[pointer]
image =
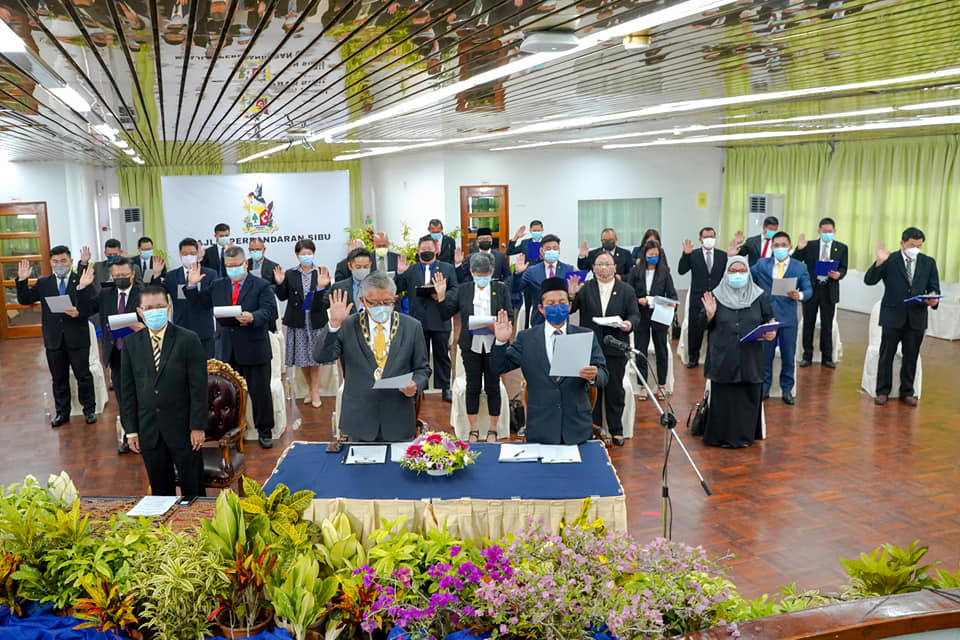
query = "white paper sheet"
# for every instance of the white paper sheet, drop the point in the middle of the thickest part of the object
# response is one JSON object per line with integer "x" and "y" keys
{"x": 180, "y": 294}
{"x": 662, "y": 314}
{"x": 559, "y": 454}
{"x": 661, "y": 300}
{"x": 396, "y": 382}
{"x": 571, "y": 353}
{"x": 609, "y": 321}
{"x": 366, "y": 454}
{"x": 783, "y": 286}
{"x": 148, "y": 276}
{"x": 152, "y": 506}
{"x": 58, "y": 304}
{"x": 480, "y": 322}
{"x": 524, "y": 452}
{"x": 121, "y": 320}
{"x": 397, "y": 449}
{"x": 227, "y": 312}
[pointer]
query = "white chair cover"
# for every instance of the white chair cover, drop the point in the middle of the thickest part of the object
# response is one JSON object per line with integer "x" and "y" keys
{"x": 629, "y": 406}
{"x": 683, "y": 344}
{"x": 837, "y": 344}
{"x": 652, "y": 372}
{"x": 458, "y": 410}
{"x": 276, "y": 392}
{"x": 100, "y": 387}
{"x": 871, "y": 361}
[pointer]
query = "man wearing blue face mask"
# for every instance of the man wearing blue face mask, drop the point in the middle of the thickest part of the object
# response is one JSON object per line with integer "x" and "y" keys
{"x": 784, "y": 309}
{"x": 148, "y": 263}
{"x": 243, "y": 341}
{"x": 443, "y": 246}
{"x": 259, "y": 265}
{"x": 163, "y": 398}
{"x": 558, "y": 408}
{"x": 528, "y": 247}
{"x": 760, "y": 246}
{"x": 527, "y": 279}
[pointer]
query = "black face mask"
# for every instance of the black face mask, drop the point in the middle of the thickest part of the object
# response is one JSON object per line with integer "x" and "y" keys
{"x": 427, "y": 256}
{"x": 609, "y": 245}
{"x": 122, "y": 283}
{"x": 484, "y": 244}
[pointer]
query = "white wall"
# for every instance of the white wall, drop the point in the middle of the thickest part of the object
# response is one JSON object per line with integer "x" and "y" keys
{"x": 403, "y": 189}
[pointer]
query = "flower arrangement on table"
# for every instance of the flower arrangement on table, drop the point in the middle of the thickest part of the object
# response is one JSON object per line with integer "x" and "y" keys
{"x": 438, "y": 454}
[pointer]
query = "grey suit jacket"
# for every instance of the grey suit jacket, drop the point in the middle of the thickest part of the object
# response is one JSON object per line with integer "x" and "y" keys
{"x": 368, "y": 414}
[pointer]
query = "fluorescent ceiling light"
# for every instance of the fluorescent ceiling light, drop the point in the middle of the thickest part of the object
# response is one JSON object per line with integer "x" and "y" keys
{"x": 10, "y": 42}
{"x": 129, "y": 152}
{"x": 106, "y": 130}
{"x": 931, "y": 105}
{"x": 122, "y": 144}
{"x": 70, "y": 97}
{"x": 649, "y": 21}
{"x": 873, "y": 126}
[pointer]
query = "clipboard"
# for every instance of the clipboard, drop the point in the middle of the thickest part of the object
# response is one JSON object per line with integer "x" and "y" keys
{"x": 533, "y": 251}
{"x": 757, "y": 333}
{"x": 824, "y": 267}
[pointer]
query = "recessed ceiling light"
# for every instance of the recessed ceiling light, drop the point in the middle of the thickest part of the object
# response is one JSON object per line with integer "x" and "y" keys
{"x": 10, "y": 42}
{"x": 931, "y": 105}
{"x": 70, "y": 97}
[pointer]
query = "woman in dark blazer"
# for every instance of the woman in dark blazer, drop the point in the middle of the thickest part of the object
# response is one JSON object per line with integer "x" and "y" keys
{"x": 482, "y": 297}
{"x": 303, "y": 326}
{"x": 649, "y": 278}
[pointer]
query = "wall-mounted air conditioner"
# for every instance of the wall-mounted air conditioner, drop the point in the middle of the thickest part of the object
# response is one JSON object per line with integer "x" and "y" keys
{"x": 761, "y": 205}
{"x": 132, "y": 229}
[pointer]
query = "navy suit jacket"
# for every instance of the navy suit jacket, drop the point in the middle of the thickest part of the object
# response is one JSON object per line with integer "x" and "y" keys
{"x": 784, "y": 308}
{"x": 427, "y": 310}
{"x": 245, "y": 344}
{"x": 558, "y": 409}
{"x": 190, "y": 316}
{"x": 530, "y": 280}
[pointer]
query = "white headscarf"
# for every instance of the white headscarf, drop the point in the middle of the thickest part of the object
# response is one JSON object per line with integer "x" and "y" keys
{"x": 733, "y": 298}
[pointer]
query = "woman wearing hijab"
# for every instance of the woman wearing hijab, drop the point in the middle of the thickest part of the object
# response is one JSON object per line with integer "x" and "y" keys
{"x": 735, "y": 369}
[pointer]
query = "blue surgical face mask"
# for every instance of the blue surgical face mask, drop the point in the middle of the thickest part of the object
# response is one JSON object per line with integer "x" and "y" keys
{"x": 653, "y": 260}
{"x": 770, "y": 233}
{"x": 738, "y": 280}
{"x": 482, "y": 281}
{"x": 380, "y": 314}
{"x": 223, "y": 241}
{"x": 781, "y": 253}
{"x": 236, "y": 273}
{"x": 536, "y": 235}
{"x": 306, "y": 259}
{"x": 551, "y": 255}
{"x": 826, "y": 237}
{"x": 556, "y": 314}
{"x": 146, "y": 255}
{"x": 112, "y": 259}
{"x": 436, "y": 236}
{"x": 155, "y": 319}
{"x": 256, "y": 255}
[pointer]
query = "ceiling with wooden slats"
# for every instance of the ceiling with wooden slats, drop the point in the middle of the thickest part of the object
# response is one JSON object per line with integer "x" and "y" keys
{"x": 174, "y": 82}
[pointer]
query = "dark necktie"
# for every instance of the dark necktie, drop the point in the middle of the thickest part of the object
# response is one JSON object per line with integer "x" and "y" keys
{"x": 63, "y": 286}
{"x": 556, "y": 332}
{"x": 910, "y": 270}
{"x": 236, "y": 292}
{"x": 221, "y": 263}
{"x": 121, "y": 308}
{"x": 708, "y": 258}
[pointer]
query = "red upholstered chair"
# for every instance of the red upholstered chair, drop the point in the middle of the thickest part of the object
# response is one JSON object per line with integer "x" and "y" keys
{"x": 223, "y": 459}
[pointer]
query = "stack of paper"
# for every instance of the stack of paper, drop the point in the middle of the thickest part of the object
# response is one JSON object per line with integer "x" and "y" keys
{"x": 152, "y": 506}
{"x": 397, "y": 449}
{"x": 519, "y": 452}
{"x": 367, "y": 454}
{"x": 545, "y": 453}
{"x": 662, "y": 311}
{"x": 571, "y": 353}
{"x": 609, "y": 321}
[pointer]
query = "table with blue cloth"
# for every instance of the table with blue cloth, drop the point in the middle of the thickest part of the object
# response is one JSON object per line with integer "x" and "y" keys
{"x": 485, "y": 500}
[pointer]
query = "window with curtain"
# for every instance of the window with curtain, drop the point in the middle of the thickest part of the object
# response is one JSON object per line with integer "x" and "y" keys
{"x": 629, "y": 216}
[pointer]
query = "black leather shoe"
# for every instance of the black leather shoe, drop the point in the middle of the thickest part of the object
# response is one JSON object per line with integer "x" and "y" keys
{"x": 124, "y": 448}
{"x": 788, "y": 398}
{"x": 266, "y": 442}
{"x": 805, "y": 363}
{"x": 830, "y": 364}
{"x": 909, "y": 400}
{"x": 692, "y": 365}
{"x": 880, "y": 400}
{"x": 447, "y": 396}
{"x": 90, "y": 417}
{"x": 60, "y": 419}
{"x": 619, "y": 441}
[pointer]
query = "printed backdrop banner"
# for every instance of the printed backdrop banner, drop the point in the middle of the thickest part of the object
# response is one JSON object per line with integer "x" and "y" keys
{"x": 279, "y": 208}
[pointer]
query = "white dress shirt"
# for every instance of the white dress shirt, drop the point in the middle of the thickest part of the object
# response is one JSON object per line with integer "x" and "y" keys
{"x": 648, "y": 275}
{"x": 551, "y": 339}
{"x": 482, "y": 305}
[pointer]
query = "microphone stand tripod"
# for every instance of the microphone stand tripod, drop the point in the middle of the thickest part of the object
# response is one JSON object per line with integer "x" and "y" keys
{"x": 668, "y": 421}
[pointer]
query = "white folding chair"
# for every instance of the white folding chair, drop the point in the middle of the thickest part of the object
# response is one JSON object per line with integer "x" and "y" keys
{"x": 458, "y": 410}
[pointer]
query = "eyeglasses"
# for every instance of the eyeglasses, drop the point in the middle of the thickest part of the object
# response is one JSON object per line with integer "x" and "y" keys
{"x": 380, "y": 303}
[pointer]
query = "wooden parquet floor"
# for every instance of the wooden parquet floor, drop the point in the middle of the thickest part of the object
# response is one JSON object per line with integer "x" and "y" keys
{"x": 836, "y": 476}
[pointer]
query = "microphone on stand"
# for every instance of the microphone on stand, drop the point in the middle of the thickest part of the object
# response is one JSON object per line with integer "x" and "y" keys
{"x": 620, "y": 345}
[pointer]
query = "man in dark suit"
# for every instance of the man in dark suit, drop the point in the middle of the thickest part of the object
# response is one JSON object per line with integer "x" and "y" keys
{"x": 147, "y": 263}
{"x": 383, "y": 259}
{"x": 213, "y": 256}
{"x": 358, "y": 262}
{"x": 112, "y": 251}
{"x": 425, "y": 308}
{"x": 258, "y": 264}
{"x": 243, "y": 342}
{"x": 826, "y": 290}
{"x": 784, "y": 310}
{"x": 342, "y": 271}
{"x": 608, "y": 241}
{"x": 759, "y": 246}
{"x": 527, "y": 279}
{"x": 706, "y": 267}
{"x": 606, "y": 296}
{"x": 163, "y": 399}
{"x": 197, "y": 318}
{"x": 123, "y": 296}
{"x": 443, "y": 246}
{"x": 558, "y": 408}
{"x": 378, "y": 343}
{"x": 66, "y": 336}
{"x": 501, "y": 266}
{"x": 536, "y": 234}
{"x": 905, "y": 274}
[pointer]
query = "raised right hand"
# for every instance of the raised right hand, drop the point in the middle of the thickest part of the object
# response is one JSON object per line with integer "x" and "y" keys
{"x": 802, "y": 242}
{"x": 687, "y": 246}
{"x": 520, "y": 232}
{"x": 24, "y": 270}
{"x": 882, "y": 254}
{"x": 573, "y": 286}
{"x": 738, "y": 237}
{"x": 339, "y": 309}
{"x": 86, "y": 279}
{"x": 522, "y": 264}
{"x": 356, "y": 243}
{"x": 402, "y": 265}
{"x": 278, "y": 274}
{"x": 503, "y": 328}
{"x": 584, "y": 249}
{"x": 195, "y": 275}
{"x": 709, "y": 304}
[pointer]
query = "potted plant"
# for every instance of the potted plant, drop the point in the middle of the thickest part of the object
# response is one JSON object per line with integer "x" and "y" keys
{"x": 300, "y": 597}
{"x": 438, "y": 454}
{"x": 105, "y": 608}
{"x": 247, "y": 560}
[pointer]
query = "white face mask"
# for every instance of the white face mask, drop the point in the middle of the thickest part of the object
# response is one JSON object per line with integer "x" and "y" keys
{"x": 709, "y": 243}
{"x": 912, "y": 252}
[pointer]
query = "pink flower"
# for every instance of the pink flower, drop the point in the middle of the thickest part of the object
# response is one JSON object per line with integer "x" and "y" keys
{"x": 462, "y": 444}
{"x": 434, "y": 438}
{"x": 414, "y": 451}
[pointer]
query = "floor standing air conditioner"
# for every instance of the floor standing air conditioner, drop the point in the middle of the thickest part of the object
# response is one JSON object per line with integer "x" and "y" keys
{"x": 761, "y": 205}
{"x": 132, "y": 228}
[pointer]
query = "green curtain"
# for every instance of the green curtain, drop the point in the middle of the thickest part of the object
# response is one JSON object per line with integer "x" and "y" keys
{"x": 795, "y": 171}
{"x": 875, "y": 189}
{"x": 298, "y": 159}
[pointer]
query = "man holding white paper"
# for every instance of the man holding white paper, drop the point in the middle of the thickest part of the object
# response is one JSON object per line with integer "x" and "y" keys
{"x": 558, "y": 408}
{"x": 766, "y": 273}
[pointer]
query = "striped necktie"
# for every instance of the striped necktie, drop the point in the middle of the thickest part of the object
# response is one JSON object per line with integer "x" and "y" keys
{"x": 156, "y": 352}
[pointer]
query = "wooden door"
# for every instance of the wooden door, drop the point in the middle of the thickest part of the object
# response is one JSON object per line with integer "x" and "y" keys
{"x": 484, "y": 206}
{"x": 23, "y": 234}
